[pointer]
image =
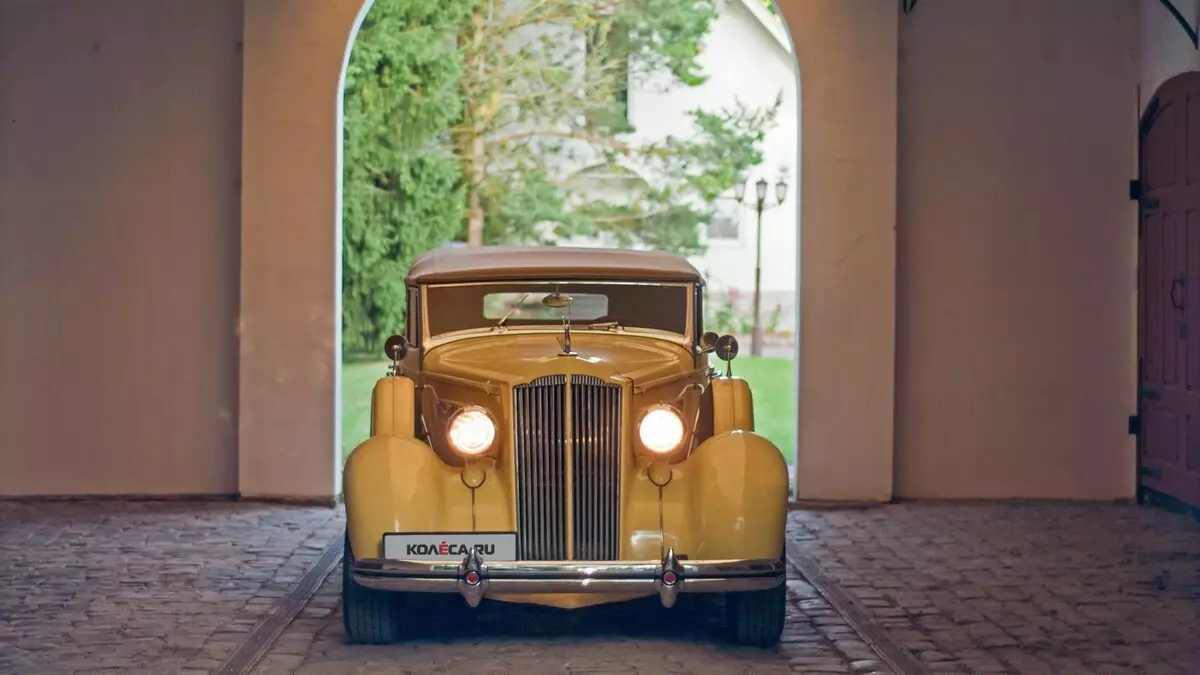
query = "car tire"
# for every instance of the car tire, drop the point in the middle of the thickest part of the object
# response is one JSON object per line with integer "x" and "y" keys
{"x": 370, "y": 617}
{"x": 756, "y": 618}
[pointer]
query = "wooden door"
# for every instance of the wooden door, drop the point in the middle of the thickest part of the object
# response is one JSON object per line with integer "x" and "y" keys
{"x": 1169, "y": 293}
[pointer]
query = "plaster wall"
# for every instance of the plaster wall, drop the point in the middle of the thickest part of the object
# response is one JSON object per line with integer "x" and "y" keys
{"x": 119, "y": 153}
{"x": 1016, "y": 292}
{"x": 291, "y": 246}
{"x": 847, "y": 52}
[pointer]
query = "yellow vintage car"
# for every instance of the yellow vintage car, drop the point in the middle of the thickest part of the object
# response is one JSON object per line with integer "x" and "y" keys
{"x": 551, "y": 432}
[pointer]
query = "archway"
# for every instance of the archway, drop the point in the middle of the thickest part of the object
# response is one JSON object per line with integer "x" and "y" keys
{"x": 289, "y": 304}
{"x": 747, "y": 62}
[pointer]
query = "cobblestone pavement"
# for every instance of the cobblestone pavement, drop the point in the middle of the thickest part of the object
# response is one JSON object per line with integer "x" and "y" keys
{"x": 151, "y": 587}
{"x": 1047, "y": 588}
{"x": 175, "y": 587}
{"x": 637, "y": 637}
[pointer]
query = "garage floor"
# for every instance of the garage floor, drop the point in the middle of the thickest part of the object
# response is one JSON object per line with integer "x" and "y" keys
{"x": 177, "y": 587}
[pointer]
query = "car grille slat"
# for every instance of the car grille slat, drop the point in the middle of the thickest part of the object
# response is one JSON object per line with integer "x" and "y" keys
{"x": 543, "y": 485}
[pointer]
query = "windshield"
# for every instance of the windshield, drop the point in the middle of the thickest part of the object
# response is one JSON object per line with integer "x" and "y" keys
{"x": 459, "y": 307}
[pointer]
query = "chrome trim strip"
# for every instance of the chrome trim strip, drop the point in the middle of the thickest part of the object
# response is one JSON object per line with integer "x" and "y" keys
{"x": 690, "y": 576}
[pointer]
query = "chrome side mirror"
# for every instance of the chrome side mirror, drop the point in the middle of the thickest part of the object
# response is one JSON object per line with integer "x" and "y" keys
{"x": 707, "y": 343}
{"x": 396, "y": 348}
{"x": 727, "y": 351}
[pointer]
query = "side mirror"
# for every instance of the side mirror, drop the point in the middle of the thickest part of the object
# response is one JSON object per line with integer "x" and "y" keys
{"x": 396, "y": 348}
{"x": 708, "y": 342}
{"x": 727, "y": 351}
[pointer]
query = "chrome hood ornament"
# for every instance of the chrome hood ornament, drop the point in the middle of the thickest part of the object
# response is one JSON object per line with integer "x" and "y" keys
{"x": 558, "y": 300}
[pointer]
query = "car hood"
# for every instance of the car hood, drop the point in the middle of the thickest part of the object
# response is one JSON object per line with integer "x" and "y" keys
{"x": 516, "y": 358}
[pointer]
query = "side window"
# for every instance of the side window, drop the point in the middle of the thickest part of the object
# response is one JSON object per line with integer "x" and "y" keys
{"x": 412, "y": 319}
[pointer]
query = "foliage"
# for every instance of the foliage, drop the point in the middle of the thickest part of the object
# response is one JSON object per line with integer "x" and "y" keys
{"x": 471, "y": 120}
{"x": 403, "y": 192}
{"x": 545, "y": 86}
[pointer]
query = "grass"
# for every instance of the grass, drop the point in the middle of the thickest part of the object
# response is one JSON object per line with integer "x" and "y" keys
{"x": 771, "y": 379}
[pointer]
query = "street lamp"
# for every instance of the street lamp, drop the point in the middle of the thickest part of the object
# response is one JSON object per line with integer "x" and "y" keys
{"x": 759, "y": 205}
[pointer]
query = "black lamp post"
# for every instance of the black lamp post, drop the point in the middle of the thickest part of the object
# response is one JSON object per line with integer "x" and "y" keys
{"x": 759, "y": 204}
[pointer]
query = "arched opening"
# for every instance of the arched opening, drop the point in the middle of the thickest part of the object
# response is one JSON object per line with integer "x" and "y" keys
{"x": 626, "y": 176}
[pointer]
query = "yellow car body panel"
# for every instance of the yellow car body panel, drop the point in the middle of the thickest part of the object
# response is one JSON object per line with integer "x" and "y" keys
{"x": 392, "y": 407}
{"x": 726, "y": 500}
{"x": 733, "y": 405}
{"x": 720, "y": 495}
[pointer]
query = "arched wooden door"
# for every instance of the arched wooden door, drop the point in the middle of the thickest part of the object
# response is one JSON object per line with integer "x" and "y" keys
{"x": 1169, "y": 293}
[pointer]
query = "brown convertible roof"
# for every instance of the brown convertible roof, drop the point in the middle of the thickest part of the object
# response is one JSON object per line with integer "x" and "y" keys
{"x": 519, "y": 263}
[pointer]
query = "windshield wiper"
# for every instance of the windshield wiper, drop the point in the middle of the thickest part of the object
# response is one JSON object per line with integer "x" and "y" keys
{"x": 607, "y": 325}
{"x": 514, "y": 308}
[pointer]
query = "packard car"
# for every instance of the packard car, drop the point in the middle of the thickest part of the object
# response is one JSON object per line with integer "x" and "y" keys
{"x": 550, "y": 431}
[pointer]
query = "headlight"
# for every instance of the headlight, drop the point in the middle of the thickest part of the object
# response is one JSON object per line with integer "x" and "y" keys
{"x": 661, "y": 429}
{"x": 472, "y": 431}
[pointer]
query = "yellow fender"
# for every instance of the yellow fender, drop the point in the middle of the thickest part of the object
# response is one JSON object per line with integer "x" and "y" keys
{"x": 393, "y": 407}
{"x": 733, "y": 405}
{"x": 394, "y": 483}
{"x": 729, "y": 499}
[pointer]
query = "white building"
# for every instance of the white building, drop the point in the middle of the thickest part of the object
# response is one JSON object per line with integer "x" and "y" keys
{"x": 746, "y": 58}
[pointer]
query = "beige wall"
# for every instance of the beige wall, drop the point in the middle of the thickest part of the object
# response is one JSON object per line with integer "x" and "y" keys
{"x": 1015, "y": 302}
{"x": 118, "y": 245}
{"x": 291, "y": 246}
{"x": 997, "y": 324}
{"x": 847, "y": 54}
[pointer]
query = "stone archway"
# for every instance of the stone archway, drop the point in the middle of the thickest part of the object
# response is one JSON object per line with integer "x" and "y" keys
{"x": 290, "y": 327}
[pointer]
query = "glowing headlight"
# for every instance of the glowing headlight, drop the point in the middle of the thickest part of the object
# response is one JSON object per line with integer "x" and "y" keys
{"x": 661, "y": 429}
{"x": 472, "y": 431}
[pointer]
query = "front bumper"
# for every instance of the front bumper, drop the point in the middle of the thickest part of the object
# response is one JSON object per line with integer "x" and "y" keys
{"x": 475, "y": 578}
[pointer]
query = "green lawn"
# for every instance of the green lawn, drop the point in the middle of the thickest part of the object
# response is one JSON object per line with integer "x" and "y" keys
{"x": 771, "y": 380}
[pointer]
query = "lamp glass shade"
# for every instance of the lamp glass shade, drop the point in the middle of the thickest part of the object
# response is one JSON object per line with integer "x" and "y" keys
{"x": 781, "y": 191}
{"x": 761, "y": 189}
{"x": 739, "y": 190}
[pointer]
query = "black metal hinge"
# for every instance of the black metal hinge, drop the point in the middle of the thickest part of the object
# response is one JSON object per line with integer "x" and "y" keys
{"x": 1135, "y": 189}
{"x": 1135, "y": 425}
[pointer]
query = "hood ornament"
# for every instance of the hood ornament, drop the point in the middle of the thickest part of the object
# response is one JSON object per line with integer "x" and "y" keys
{"x": 557, "y": 300}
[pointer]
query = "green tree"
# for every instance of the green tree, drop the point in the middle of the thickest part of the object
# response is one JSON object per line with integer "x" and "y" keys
{"x": 545, "y": 91}
{"x": 402, "y": 185}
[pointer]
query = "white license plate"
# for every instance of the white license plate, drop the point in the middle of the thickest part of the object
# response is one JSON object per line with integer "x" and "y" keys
{"x": 450, "y": 546}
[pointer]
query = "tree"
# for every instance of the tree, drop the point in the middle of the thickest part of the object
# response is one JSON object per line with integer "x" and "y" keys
{"x": 402, "y": 185}
{"x": 545, "y": 89}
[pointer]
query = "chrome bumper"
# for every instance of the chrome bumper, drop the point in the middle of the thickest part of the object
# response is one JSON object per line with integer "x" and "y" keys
{"x": 475, "y": 578}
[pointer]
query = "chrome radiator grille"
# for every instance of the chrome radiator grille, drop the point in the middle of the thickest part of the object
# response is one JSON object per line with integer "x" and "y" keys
{"x": 555, "y": 490}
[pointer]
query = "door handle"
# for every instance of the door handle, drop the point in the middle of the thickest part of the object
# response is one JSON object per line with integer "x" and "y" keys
{"x": 1150, "y": 394}
{"x": 1176, "y": 284}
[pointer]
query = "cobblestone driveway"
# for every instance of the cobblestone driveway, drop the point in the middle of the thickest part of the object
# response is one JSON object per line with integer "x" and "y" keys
{"x": 144, "y": 587}
{"x": 171, "y": 588}
{"x": 639, "y": 637}
{"x": 1021, "y": 588}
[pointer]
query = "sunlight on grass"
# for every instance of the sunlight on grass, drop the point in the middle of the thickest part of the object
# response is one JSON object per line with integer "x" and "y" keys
{"x": 771, "y": 380}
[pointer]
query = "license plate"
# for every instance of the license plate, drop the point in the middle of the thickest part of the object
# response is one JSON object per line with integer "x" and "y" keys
{"x": 449, "y": 546}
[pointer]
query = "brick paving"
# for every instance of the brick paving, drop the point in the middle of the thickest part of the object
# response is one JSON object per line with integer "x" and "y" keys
{"x": 637, "y": 637}
{"x": 1021, "y": 588}
{"x": 163, "y": 588}
{"x": 150, "y": 587}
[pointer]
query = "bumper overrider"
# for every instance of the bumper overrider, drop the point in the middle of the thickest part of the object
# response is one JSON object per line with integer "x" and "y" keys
{"x": 474, "y": 578}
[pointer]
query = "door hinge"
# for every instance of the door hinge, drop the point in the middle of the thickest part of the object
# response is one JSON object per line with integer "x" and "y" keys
{"x": 1135, "y": 425}
{"x": 1137, "y": 193}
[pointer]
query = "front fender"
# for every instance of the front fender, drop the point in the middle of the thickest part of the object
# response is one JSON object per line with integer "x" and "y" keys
{"x": 730, "y": 498}
{"x": 398, "y": 484}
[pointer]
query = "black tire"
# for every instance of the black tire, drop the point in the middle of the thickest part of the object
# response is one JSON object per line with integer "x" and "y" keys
{"x": 756, "y": 618}
{"x": 370, "y": 617}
